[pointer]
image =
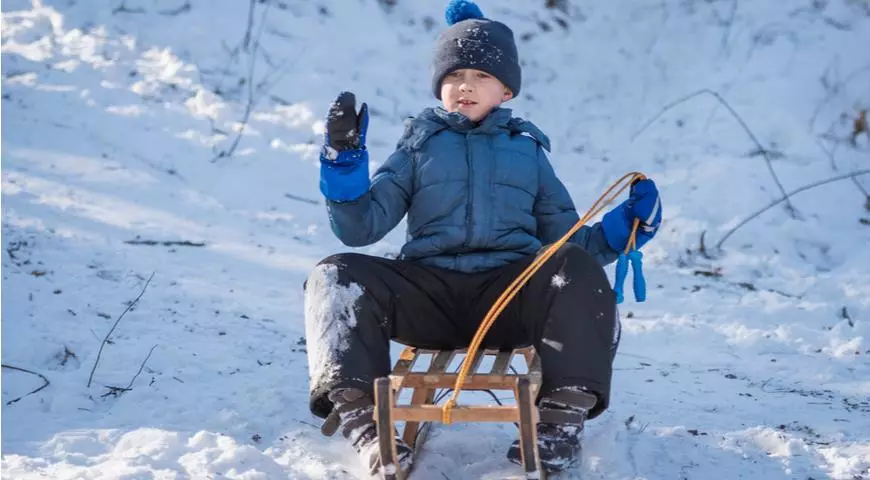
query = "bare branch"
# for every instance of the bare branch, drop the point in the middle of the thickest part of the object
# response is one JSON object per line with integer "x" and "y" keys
{"x": 217, "y": 89}
{"x": 793, "y": 192}
{"x": 233, "y": 53}
{"x": 252, "y": 62}
{"x": 830, "y": 154}
{"x": 245, "y": 116}
{"x": 246, "y": 42}
{"x": 767, "y": 158}
{"x": 113, "y": 392}
{"x": 47, "y": 383}
{"x": 106, "y": 338}
{"x": 117, "y": 391}
{"x": 702, "y": 249}
{"x": 122, "y": 8}
{"x": 141, "y": 367}
{"x": 729, "y": 23}
{"x": 173, "y": 12}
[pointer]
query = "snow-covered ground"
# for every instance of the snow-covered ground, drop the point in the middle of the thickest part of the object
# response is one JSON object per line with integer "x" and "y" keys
{"x": 123, "y": 126}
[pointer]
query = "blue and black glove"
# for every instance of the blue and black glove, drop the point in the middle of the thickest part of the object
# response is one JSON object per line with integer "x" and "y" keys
{"x": 344, "y": 160}
{"x": 643, "y": 203}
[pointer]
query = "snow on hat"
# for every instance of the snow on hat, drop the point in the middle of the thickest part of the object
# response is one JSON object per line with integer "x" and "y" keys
{"x": 473, "y": 41}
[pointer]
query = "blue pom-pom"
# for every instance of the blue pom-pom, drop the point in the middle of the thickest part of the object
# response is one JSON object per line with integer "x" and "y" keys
{"x": 459, "y": 10}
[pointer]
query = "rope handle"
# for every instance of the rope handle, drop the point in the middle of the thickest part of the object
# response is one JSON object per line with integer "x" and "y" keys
{"x": 511, "y": 291}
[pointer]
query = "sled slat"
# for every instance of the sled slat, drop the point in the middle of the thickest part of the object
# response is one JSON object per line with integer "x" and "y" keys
{"x": 477, "y": 413}
{"x": 530, "y": 355}
{"x": 475, "y": 362}
{"x": 472, "y": 382}
{"x": 404, "y": 364}
{"x": 502, "y": 362}
{"x": 406, "y": 361}
{"x": 440, "y": 361}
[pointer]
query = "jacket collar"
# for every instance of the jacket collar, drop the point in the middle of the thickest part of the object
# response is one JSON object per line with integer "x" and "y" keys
{"x": 458, "y": 122}
{"x": 433, "y": 120}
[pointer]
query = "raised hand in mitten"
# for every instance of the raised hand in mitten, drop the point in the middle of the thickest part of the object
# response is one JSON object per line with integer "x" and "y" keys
{"x": 344, "y": 160}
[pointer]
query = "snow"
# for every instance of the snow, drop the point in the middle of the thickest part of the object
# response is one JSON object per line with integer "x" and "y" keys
{"x": 558, "y": 281}
{"x": 329, "y": 317}
{"x": 119, "y": 123}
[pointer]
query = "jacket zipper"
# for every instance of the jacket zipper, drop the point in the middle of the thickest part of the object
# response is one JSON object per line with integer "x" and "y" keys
{"x": 469, "y": 220}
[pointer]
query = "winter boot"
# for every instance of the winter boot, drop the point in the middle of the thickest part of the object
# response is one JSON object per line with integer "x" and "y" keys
{"x": 562, "y": 413}
{"x": 353, "y": 414}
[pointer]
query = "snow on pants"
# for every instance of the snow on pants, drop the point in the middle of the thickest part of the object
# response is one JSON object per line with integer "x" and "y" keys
{"x": 355, "y": 304}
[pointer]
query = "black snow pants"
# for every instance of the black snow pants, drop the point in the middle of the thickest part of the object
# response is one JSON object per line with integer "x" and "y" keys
{"x": 355, "y": 304}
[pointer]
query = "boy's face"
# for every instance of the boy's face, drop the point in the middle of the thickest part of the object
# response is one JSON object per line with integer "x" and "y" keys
{"x": 473, "y": 93}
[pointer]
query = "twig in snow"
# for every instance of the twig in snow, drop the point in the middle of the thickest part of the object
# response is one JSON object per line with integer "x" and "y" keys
{"x": 165, "y": 243}
{"x": 141, "y": 367}
{"x": 833, "y": 90}
{"x": 113, "y": 391}
{"x": 767, "y": 157}
{"x": 780, "y": 200}
{"x": 728, "y": 24}
{"x": 176, "y": 11}
{"x": 47, "y": 383}
{"x": 303, "y": 422}
{"x": 702, "y": 249}
{"x": 67, "y": 354}
{"x": 122, "y": 8}
{"x": 561, "y": 5}
{"x": 301, "y": 199}
{"x": 844, "y": 314}
{"x": 117, "y": 391}
{"x": 106, "y": 338}
{"x": 830, "y": 154}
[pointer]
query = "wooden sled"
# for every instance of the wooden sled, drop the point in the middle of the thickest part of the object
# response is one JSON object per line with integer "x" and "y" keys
{"x": 422, "y": 409}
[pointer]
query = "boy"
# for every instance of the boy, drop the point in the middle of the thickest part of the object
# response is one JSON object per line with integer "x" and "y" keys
{"x": 482, "y": 199}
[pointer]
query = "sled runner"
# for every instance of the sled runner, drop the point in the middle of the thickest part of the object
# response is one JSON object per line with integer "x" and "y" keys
{"x": 422, "y": 408}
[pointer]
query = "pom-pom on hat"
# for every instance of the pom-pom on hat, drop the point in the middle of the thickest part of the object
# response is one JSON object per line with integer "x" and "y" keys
{"x": 474, "y": 41}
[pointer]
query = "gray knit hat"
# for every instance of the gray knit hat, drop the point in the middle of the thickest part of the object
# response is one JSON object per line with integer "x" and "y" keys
{"x": 473, "y": 41}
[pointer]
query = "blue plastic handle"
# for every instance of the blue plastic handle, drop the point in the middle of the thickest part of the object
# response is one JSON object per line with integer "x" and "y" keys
{"x": 621, "y": 273}
{"x": 639, "y": 283}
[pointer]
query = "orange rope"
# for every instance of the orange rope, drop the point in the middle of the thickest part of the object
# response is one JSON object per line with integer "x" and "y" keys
{"x": 632, "y": 239}
{"x": 524, "y": 277}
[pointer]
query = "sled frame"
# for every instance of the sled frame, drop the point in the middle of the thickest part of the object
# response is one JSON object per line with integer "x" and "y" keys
{"x": 423, "y": 386}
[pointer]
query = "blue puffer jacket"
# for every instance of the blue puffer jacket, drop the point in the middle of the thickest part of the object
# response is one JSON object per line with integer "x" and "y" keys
{"x": 477, "y": 196}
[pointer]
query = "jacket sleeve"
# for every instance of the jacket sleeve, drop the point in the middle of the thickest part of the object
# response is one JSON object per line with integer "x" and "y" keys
{"x": 369, "y": 218}
{"x": 555, "y": 214}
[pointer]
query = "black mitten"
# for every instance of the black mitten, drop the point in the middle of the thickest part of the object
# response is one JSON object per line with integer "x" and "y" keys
{"x": 345, "y": 129}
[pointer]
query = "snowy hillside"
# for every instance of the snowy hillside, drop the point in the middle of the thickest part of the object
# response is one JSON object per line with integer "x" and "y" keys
{"x": 179, "y": 139}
